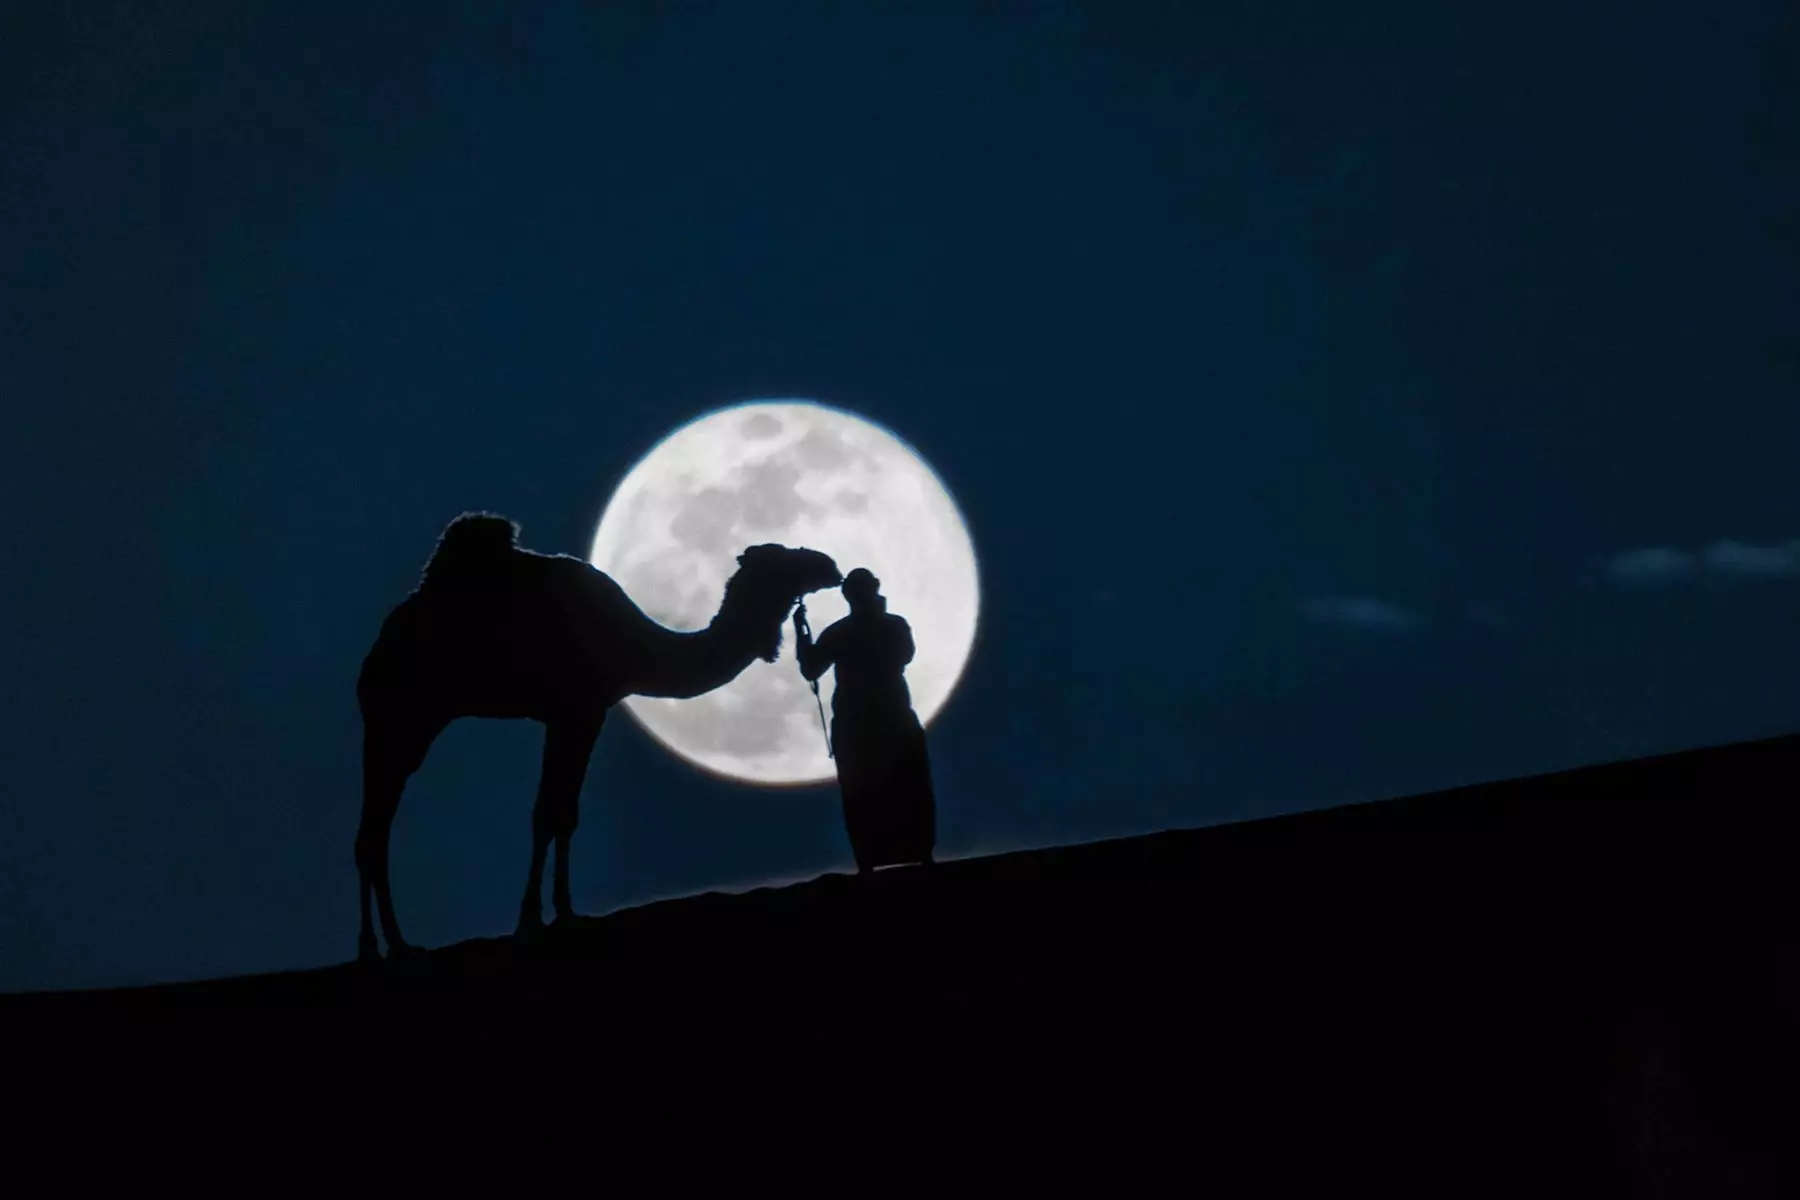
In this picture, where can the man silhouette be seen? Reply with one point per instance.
(884, 774)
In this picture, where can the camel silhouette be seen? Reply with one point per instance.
(496, 630)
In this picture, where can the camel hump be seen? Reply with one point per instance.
(475, 545)
(584, 590)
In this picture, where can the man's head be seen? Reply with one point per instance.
(862, 590)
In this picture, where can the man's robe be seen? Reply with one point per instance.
(884, 772)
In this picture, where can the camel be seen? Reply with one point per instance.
(496, 630)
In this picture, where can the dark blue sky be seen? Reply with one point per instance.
(1344, 403)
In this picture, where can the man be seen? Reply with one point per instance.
(884, 774)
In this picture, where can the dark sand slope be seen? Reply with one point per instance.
(1584, 983)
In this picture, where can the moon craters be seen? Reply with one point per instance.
(705, 519)
(761, 425)
(823, 449)
(770, 496)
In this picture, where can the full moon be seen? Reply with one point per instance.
(801, 474)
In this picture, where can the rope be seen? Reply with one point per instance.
(806, 631)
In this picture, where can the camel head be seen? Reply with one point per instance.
(770, 579)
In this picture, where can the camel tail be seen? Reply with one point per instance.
(472, 546)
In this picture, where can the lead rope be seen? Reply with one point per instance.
(829, 752)
(823, 728)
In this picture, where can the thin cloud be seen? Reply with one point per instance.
(1657, 565)
(1359, 612)
(1490, 617)
(1768, 562)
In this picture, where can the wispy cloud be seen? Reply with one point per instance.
(1738, 558)
(1361, 612)
(1657, 565)
(1490, 617)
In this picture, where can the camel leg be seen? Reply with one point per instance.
(389, 759)
(381, 798)
(567, 747)
(367, 948)
(568, 814)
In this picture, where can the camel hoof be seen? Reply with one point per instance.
(530, 925)
(404, 952)
(367, 951)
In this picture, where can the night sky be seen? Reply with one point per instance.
(1343, 404)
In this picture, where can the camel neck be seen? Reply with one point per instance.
(682, 665)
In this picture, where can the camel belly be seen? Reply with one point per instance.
(483, 685)
(437, 662)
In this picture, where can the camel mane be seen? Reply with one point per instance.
(746, 592)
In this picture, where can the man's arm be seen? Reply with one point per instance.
(903, 641)
(815, 657)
